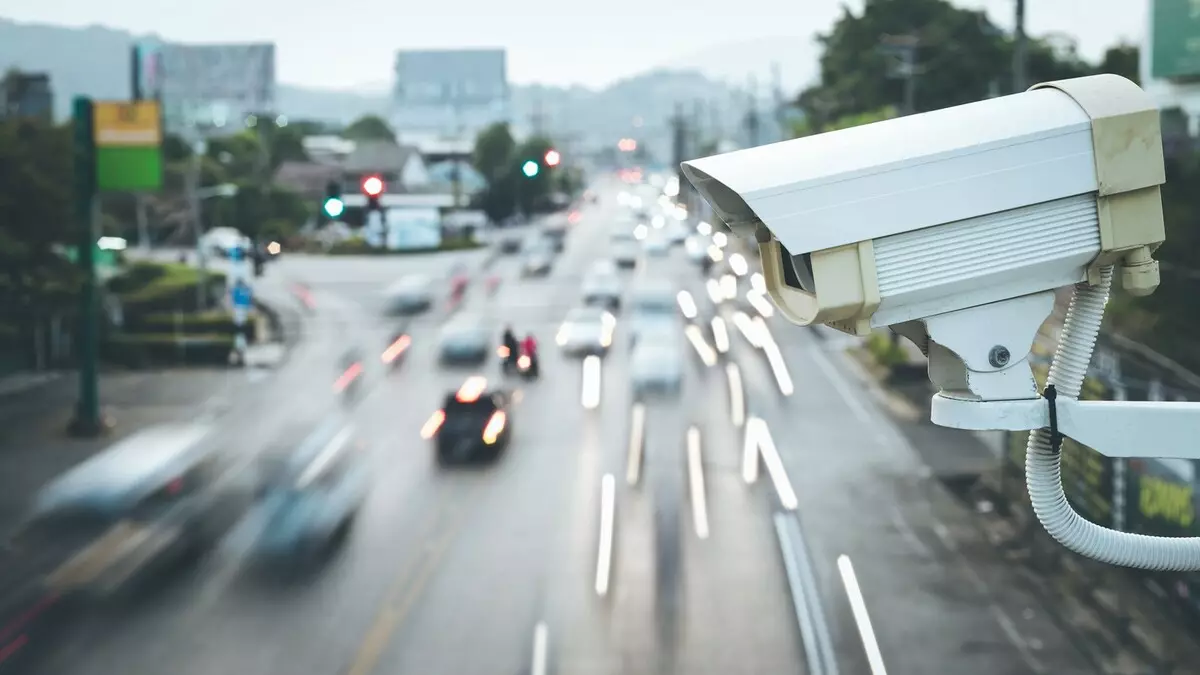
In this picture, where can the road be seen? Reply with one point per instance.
(581, 552)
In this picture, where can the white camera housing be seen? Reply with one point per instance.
(917, 216)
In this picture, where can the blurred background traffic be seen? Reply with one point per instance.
(456, 374)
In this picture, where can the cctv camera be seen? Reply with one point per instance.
(954, 228)
(916, 222)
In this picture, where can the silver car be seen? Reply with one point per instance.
(603, 290)
(465, 340)
(311, 493)
(652, 307)
(410, 295)
(656, 366)
(586, 330)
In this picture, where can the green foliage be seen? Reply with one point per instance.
(174, 289)
(1123, 60)
(886, 352)
(217, 322)
(371, 127)
(141, 350)
(359, 246)
(499, 159)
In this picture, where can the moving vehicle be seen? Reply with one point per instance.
(625, 253)
(585, 331)
(652, 307)
(656, 246)
(603, 266)
(472, 424)
(656, 366)
(310, 494)
(603, 289)
(411, 294)
(556, 235)
(510, 244)
(145, 506)
(464, 340)
(676, 233)
(539, 258)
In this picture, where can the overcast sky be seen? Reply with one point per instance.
(347, 43)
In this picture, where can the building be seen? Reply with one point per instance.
(400, 166)
(26, 95)
(449, 94)
(215, 88)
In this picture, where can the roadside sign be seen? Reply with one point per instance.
(242, 295)
(1175, 39)
(128, 145)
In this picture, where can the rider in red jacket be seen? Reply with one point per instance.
(529, 346)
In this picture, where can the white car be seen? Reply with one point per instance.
(603, 289)
(656, 367)
(410, 295)
(652, 308)
(676, 233)
(656, 247)
(586, 330)
(625, 254)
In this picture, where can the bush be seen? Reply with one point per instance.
(216, 322)
(359, 246)
(885, 352)
(149, 350)
(136, 276)
(174, 289)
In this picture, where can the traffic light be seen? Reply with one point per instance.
(333, 205)
(530, 168)
(372, 187)
(553, 157)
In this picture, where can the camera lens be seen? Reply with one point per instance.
(797, 270)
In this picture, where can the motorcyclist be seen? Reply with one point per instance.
(509, 341)
(529, 348)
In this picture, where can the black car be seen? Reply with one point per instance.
(472, 425)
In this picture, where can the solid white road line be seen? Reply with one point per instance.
(608, 499)
(637, 440)
(720, 334)
(806, 600)
(737, 396)
(696, 480)
(590, 396)
(750, 451)
(770, 455)
(861, 618)
(541, 640)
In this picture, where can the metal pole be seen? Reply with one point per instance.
(87, 420)
(193, 196)
(910, 82)
(1020, 51)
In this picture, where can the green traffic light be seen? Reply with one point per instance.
(530, 169)
(334, 207)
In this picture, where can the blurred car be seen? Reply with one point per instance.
(411, 294)
(310, 494)
(676, 233)
(510, 244)
(656, 366)
(585, 331)
(603, 289)
(147, 505)
(651, 308)
(472, 424)
(556, 235)
(625, 254)
(603, 266)
(538, 258)
(656, 247)
(464, 340)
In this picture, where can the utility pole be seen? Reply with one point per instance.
(696, 129)
(87, 420)
(1020, 51)
(199, 147)
(679, 151)
(904, 50)
(455, 166)
(777, 98)
(537, 119)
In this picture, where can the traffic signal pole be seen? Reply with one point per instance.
(87, 420)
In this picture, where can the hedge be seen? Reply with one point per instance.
(886, 353)
(174, 289)
(359, 246)
(202, 323)
(143, 350)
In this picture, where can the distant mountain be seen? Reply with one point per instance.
(94, 61)
(735, 63)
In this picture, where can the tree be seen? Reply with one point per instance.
(368, 128)
(494, 151)
(961, 56)
(533, 191)
(1123, 60)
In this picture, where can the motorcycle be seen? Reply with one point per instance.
(527, 367)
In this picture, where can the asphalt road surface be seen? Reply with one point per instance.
(582, 551)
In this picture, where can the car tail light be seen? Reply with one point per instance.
(347, 377)
(433, 424)
(395, 349)
(494, 426)
(471, 390)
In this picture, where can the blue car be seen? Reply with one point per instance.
(310, 496)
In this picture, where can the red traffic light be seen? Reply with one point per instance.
(553, 158)
(372, 186)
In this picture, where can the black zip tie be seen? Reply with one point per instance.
(1050, 394)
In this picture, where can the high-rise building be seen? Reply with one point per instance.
(214, 87)
(26, 95)
(449, 94)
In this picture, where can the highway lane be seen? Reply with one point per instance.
(864, 496)
(222, 617)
